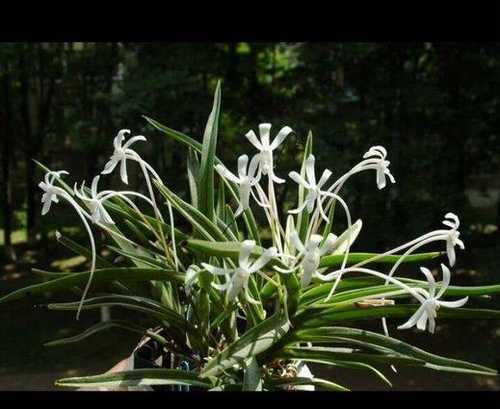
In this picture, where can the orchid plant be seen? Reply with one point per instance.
(235, 311)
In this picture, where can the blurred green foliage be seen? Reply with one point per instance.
(433, 105)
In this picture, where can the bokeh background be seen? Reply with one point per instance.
(434, 106)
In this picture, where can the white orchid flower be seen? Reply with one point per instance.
(245, 180)
(191, 274)
(453, 237)
(241, 274)
(266, 148)
(374, 159)
(425, 316)
(314, 192)
(95, 201)
(51, 195)
(311, 252)
(51, 192)
(121, 153)
(382, 166)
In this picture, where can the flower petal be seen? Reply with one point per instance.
(430, 280)
(311, 175)
(242, 166)
(453, 217)
(413, 319)
(133, 140)
(123, 171)
(282, 134)
(454, 304)
(446, 280)
(380, 179)
(269, 254)
(295, 240)
(254, 165)
(234, 287)
(450, 251)
(264, 131)
(46, 207)
(324, 178)
(93, 188)
(250, 135)
(299, 179)
(224, 172)
(216, 270)
(110, 165)
(246, 249)
(422, 321)
(117, 142)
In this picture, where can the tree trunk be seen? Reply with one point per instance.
(6, 191)
(30, 199)
(28, 141)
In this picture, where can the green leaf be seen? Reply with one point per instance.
(332, 356)
(327, 317)
(252, 377)
(193, 168)
(124, 211)
(140, 255)
(308, 381)
(151, 308)
(81, 250)
(253, 342)
(137, 377)
(206, 181)
(347, 238)
(303, 217)
(371, 339)
(180, 137)
(354, 258)
(106, 274)
(346, 284)
(198, 220)
(94, 329)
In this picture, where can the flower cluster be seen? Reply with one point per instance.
(294, 250)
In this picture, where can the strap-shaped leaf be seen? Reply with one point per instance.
(193, 171)
(120, 208)
(346, 284)
(206, 180)
(231, 249)
(370, 339)
(303, 217)
(105, 274)
(141, 304)
(137, 377)
(351, 360)
(197, 219)
(281, 383)
(81, 250)
(252, 376)
(100, 326)
(354, 258)
(324, 318)
(186, 140)
(253, 342)
(331, 354)
(140, 255)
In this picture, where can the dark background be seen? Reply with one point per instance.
(434, 106)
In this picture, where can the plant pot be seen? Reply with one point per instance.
(147, 354)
